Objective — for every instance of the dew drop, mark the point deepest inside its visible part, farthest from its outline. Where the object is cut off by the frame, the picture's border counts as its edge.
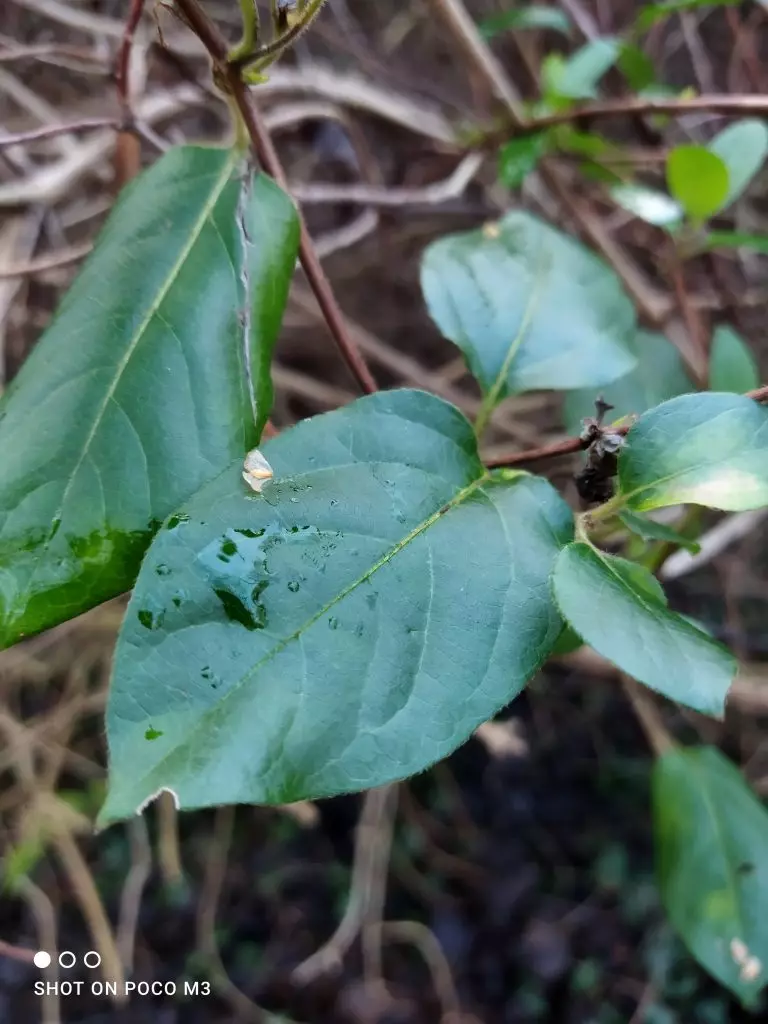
(163, 569)
(293, 586)
(333, 623)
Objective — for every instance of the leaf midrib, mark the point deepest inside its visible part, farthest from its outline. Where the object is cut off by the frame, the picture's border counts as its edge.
(170, 278)
(457, 499)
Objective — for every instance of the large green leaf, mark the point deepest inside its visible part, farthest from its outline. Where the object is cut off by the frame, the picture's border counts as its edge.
(707, 449)
(620, 610)
(742, 147)
(732, 366)
(711, 842)
(138, 391)
(659, 375)
(529, 307)
(347, 627)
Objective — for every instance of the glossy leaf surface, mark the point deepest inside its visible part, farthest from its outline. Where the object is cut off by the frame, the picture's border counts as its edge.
(706, 449)
(620, 610)
(711, 838)
(342, 629)
(138, 391)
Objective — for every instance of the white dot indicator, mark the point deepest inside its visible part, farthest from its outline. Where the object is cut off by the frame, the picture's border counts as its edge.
(70, 958)
(95, 958)
(41, 959)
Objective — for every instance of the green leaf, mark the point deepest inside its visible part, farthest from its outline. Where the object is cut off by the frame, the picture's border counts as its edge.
(659, 375)
(529, 307)
(637, 67)
(566, 643)
(649, 529)
(711, 835)
(732, 366)
(347, 627)
(734, 240)
(648, 204)
(535, 16)
(577, 77)
(698, 179)
(519, 157)
(706, 449)
(619, 609)
(138, 391)
(653, 13)
(742, 147)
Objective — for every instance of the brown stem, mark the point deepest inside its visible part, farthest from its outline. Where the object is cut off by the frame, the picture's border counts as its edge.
(575, 444)
(715, 103)
(122, 71)
(265, 151)
(693, 323)
(51, 130)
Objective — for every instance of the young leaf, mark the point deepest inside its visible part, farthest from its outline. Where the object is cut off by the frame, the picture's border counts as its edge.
(659, 375)
(742, 147)
(734, 240)
(519, 157)
(138, 391)
(529, 307)
(342, 629)
(732, 366)
(579, 74)
(706, 449)
(711, 838)
(535, 16)
(637, 67)
(649, 529)
(648, 204)
(698, 179)
(619, 609)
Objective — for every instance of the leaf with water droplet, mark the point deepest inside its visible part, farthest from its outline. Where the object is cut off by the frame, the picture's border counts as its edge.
(333, 694)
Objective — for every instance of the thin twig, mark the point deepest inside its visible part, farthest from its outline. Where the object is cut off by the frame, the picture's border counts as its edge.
(693, 323)
(643, 705)
(52, 130)
(168, 848)
(629, 106)
(266, 153)
(122, 71)
(130, 899)
(46, 263)
(575, 444)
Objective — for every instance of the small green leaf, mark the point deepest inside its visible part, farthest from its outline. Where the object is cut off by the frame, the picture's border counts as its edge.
(579, 74)
(648, 204)
(342, 629)
(535, 16)
(706, 449)
(711, 838)
(742, 147)
(698, 179)
(139, 390)
(732, 366)
(659, 375)
(566, 643)
(734, 240)
(637, 67)
(529, 307)
(519, 157)
(649, 529)
(619, 609)
(653, 13)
